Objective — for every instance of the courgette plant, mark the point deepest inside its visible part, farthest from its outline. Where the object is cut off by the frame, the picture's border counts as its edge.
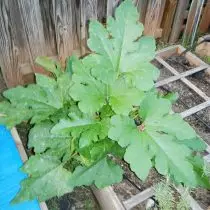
(101, 108)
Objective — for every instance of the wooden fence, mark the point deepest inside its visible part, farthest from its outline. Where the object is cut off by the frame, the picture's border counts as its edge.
(58, 28)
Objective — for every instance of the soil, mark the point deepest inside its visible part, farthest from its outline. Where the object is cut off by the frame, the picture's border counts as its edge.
(82, 198)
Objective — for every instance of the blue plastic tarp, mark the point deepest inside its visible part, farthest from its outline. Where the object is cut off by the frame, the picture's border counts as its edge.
(10, 175)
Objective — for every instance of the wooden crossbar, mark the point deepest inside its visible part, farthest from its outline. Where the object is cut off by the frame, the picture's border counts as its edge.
(138, 198)
(195, 109)
(179, 76)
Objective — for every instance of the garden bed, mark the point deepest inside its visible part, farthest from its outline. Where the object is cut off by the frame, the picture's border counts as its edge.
(82, 198)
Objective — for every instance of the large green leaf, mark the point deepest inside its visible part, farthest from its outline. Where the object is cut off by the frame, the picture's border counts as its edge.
(102, 173)
(11, 115)
(42, 139)
(160, 137)
(47, 178)
(122, 98)
(123, 130)
(86, 89)
(86, 128)
(36, 101)
(100, 149)
(138, 158)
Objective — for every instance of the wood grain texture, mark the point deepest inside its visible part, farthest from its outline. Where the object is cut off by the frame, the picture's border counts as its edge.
(192, 22)
(88, 12)
(33, 26)
(205, 20)
(111, 6)
(48, 26)
(178, 20)
(14, 49)
(168, 17)
(65, 27)
(142, 9)
(101, 10)
(153, 17)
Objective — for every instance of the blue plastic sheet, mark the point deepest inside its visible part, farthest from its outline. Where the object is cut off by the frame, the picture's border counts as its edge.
(10, 175)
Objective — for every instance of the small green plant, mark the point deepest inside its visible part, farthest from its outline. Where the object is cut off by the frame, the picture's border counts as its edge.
(100, 107)
(168, 198)
(164, 195)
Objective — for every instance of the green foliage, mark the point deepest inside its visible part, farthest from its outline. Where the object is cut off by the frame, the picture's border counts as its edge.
(168, 198)
(164, 194)
(101, 108)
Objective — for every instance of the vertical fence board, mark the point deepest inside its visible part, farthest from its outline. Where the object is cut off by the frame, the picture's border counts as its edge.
(178, 20)
(14, 49)
(48, 26)
(31, 15)
(111, 5)
(101, 10)
(205, 20)
(142, 8)
(168, 19)
(153, 17)
(88, 12)
(65, 27)
(77, 22)
(192, 21)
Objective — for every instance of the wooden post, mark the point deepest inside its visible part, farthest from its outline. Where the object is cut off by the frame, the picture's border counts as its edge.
(178, 20)
(142, 8)
(64, 13)
(168, 18)
(46, 8)
(31, 15)
(101, 10)
(88, 11)
(33, 26)
(205, 20)
(111, 5)
(153, 17)
(192, 22)
(14, 46)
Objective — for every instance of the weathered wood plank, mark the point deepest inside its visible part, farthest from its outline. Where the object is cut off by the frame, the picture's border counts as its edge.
(88, 12)
(195, 109)
(33, 25)
(107, 198)
(111, 6)
(14, 50)
(140, 197)
(162, 8)
(65, 27)
(181, 75)
(142, 8)
(76, 21)
(205, 20)
(192, 22)
(101, 10)
(168, 17)
(178, 20)
(48, 26)
(153, 17)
